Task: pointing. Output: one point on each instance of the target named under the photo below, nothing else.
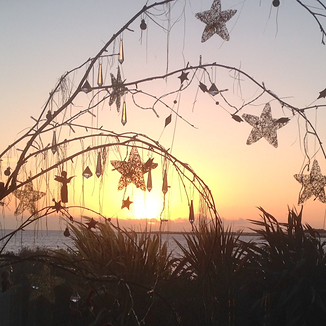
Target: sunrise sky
(40, 40)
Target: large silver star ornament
(264, 126)
(215, 20)
(312, 184)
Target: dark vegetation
(129, 278)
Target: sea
(55, 239)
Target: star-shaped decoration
(118, 90)
(313, 184)
(44, 284)
(183, 76)
(126, 203)
(132, 171)
(57, 205)
(28, 198)
(322, 94)
(264, 126)
(91, 224)
(215, 20)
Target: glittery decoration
(313, 184)
(118, 90)
(215, 20)
(263, 126)
(132, 171)
(28, 198)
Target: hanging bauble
(98, 166)
(191, 212)
(213, 90)
(124, 114)
(165, 183)
(66, 233)
(149, 180)
(86, 87)
(54, 143)
(121, 54)
(276, 3)
(143, 25)
(87, 173)
(100, 75)
(7, 171)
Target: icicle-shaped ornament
(98, 166)
(100, 75)
(54, 143)
(124, 113)
(191, 212)
(149, 180)
(121, 54)
(87, 173)
(165, 183)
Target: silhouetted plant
(288, 271)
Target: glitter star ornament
(264, 126)
(132, 171)
(313, 184)
(118, 90)
(28, 198)
(215, 20)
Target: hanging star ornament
(132, 171)
(126, 203)
(264, 126)
(183, 76)
(118, 90)
(313, 184)
(215, 20)
(28, 198)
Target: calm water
(56, 240)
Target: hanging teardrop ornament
(124, 114)
(66, 233)
(149, 180)
(87, 173)
(213, 90)
(86, 88)
(54, 143)
(98, 166)
(121, 54)
(165, 183)
(100, 75)
(143, 25)
(191, 212)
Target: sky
(281, 47)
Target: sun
(147, 205)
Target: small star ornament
(264, 126)
(133, 170)
(91, 224)
(215, 20)
(28, 198)
(313, 184)
(118, 90)
(126, 203)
